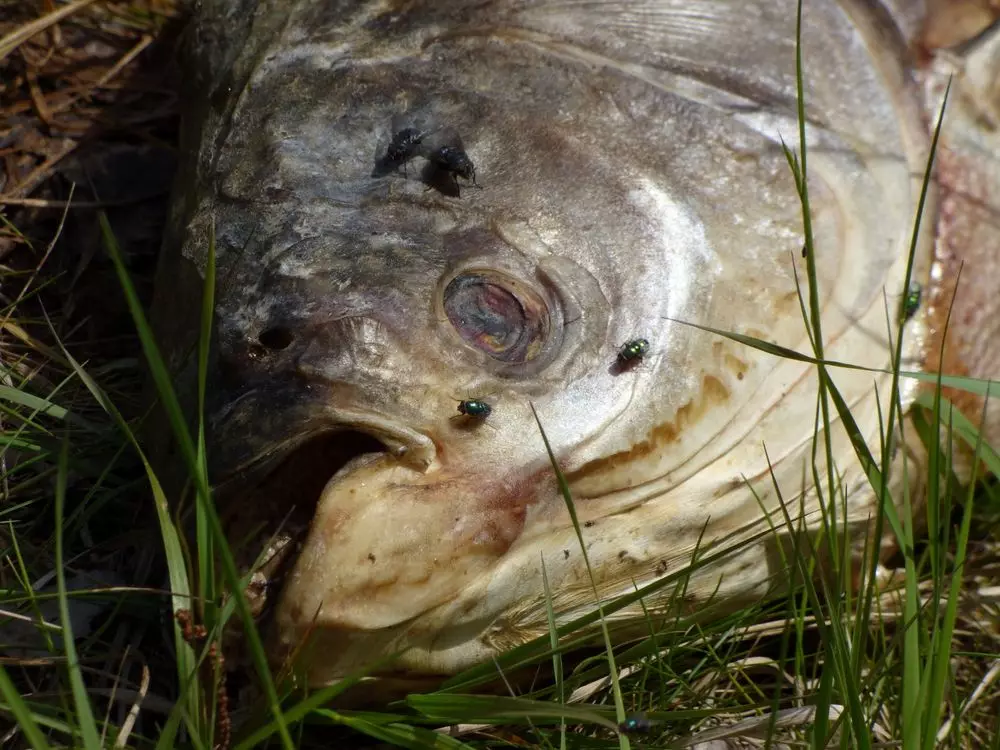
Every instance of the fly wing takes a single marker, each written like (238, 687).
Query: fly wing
(438, 138)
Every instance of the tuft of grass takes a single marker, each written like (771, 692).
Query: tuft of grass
(210, 528)
(609, 649)
(84, 716)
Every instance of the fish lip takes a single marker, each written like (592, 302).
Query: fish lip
(411, 447)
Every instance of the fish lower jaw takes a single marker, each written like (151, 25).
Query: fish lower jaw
(283, 503)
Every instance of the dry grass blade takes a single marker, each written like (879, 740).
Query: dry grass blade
(44, 203)
(761, 727)
(82, 89)
(15, 39)
(985, 684)
(585, 692)
(121, 740)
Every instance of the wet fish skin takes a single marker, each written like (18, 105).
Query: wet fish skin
(635, 174)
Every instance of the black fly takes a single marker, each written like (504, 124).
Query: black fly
(442, 147)
(447, 159)
(405, 145)
(454, 160)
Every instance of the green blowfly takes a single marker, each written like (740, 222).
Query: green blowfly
(632, 352)
(473, 407)
(911, 301)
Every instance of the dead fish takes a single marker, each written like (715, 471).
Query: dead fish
(636, 174)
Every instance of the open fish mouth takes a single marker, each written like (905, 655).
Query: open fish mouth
(306, 467)
(337, 436)
(271, 501)
(290, 479)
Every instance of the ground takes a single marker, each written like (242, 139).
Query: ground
(90, 109)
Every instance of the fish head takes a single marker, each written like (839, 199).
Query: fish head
(629, 185)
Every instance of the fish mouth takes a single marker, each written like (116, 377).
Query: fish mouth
(268, 505)
(305, 469)
(341, 437)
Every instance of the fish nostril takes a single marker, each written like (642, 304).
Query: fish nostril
(276, 338)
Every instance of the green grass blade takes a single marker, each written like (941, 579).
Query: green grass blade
(84, 711)
(206, 553)
(940, 670)
(557, 670)
(963, 429)
(171, 404)
(914, 704)
(815, 318)
(977, 386)
(861, 447)
(25, 720)
(157, 367)
(400, 735)
(312, 703)
(40, 405)
(489, 709)
(831, 633)
(180, 585)
(612, 667)
(45, 720)
(168, 734)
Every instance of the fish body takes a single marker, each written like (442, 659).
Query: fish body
(634, 182)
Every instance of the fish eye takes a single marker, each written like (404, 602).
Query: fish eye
(497, 315)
